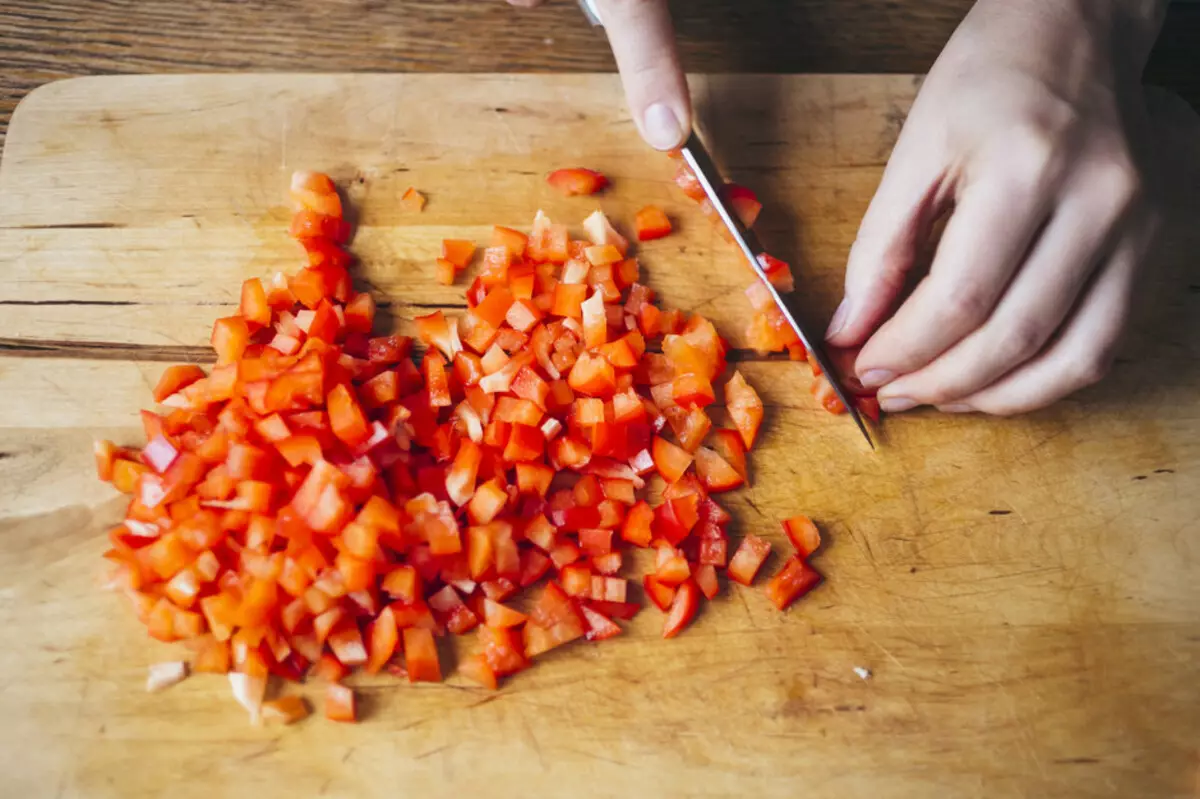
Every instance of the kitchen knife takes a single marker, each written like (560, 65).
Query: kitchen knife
(701, 163)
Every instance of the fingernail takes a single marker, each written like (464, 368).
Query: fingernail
(661, 127)
(896, 404)
(954, 407)
(840, 317)
(874, 378)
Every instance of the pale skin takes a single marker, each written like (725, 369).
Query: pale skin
(1026, 137)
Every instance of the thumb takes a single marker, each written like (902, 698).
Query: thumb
(912, 194)
(643, 42)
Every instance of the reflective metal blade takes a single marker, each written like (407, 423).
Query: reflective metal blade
(701, 162)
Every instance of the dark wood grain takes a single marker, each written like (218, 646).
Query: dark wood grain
(45, 40)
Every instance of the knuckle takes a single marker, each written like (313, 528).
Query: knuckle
(966, 305)
(872, 267)
(1022, 339)
(1092, 369)
(1035, 155)
(940, 393)
(1117, 182)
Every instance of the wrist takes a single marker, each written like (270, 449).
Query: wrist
(1063, 39)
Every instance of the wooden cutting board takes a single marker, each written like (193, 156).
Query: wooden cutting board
(1025, 593)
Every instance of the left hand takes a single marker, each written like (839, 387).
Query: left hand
(1027, 125)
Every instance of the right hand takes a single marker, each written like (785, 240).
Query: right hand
(643, 42)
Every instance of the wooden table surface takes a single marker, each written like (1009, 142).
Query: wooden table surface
(44, 40)
(1024, 591)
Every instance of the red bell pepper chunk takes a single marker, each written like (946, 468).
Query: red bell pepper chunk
(420, 656)
(714, 551)
(823, 390)
(793, 581)
(309, 224)
(315, 192)
(660, 594)
(744, 203)
(670, 461)
(346, 417)
(497, 615)
(868, 407)
(599, 626)
(636, 528)
(512, 240)
(176, 378)
(230, 337)
(577, 181)
(744, 407)
(412, 200)
(715, 472)
(683, 609)
(692, 391)
(748, 559)
(458, 252)
(689, 183)
(803, 534)
(503, 650)
(651, 223)
(706, 580)
(339, 703)
(476, 669)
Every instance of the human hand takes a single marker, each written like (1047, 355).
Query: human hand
(643, 42)
(1027, 125)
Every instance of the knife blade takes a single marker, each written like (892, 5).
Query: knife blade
(701, 163)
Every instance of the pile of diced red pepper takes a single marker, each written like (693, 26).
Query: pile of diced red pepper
(319, 500)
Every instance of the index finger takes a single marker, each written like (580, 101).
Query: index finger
(643, 43)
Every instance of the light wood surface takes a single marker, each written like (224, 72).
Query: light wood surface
(1025, 592)
(45, 40)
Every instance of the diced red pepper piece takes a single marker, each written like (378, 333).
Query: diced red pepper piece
(748, 559)
(670, 461)
(420, 656)
(745, 408)
(803, 534)
(651, 223)
(412, 200)
(683, 609)
(715, 472)
(793, 581)
(577, 181)
(339, 703)
(458, 252)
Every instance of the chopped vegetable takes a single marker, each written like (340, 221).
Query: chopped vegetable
(577, 181)
(286, 709)
(748, 559)
(249, 690)
(324, 499)
(793, 581)
(413, 200)
(803, 534)
(651, 223)
(164, 675)
(340, 704)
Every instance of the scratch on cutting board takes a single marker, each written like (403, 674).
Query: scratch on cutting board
(882, 648)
